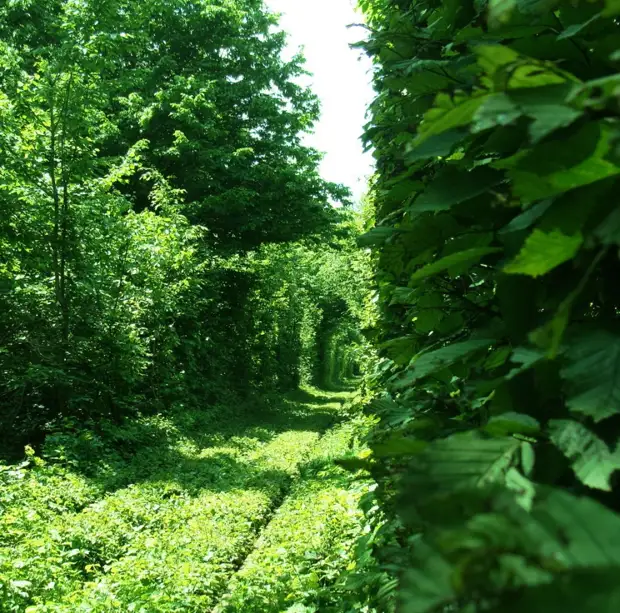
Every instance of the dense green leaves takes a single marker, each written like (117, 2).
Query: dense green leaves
(432, 361)
(151, 160)
(498, 303)
(451, 187)
(460, 260)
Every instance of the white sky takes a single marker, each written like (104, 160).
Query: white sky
(341, 80)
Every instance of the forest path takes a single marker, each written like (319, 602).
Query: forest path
(242, 514)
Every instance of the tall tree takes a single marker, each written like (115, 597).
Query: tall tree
(142, 145)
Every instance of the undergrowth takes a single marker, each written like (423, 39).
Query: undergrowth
(158, 514)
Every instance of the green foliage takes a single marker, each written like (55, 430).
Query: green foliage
(159, 213)
(299, 560)
(165, 528)
(495, 131)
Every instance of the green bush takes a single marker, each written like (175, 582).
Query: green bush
(496, 133)
(301, 558)
(165, 527)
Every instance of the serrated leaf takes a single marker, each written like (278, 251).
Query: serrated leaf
(592, 377)
(433, 361)
(464, 460)
(461, 259)
(544, 251)
(428, 586)
(591, 459)
(452, 187)
(576, 523)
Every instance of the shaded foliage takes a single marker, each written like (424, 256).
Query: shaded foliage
(495, 247)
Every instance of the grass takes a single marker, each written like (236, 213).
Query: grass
(182, 512)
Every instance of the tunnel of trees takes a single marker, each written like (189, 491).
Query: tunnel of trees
(226, 387)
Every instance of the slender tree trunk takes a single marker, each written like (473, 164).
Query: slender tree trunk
(59, 178)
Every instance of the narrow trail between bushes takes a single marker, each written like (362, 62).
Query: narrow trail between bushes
(245, 512)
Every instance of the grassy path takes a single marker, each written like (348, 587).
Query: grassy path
(245, 513)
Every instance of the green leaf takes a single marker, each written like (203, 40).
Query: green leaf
(577, 28)
(376, 236)
(400, 349)
(592, 377)
(452, 186)
(591, 459)
(549, 118)
(497, 110)
(608, 232)
(428, 320)
(403, 295)
(429, 584)
(433, 361)
(612, 8)
(492, 58)
(582, 590)
(403, 190)
(547, 107)
(461, 461)
(440, 145)
(398, 446)
(526, 357)
(501, 11)
(549, 336)
(544, 251)
(576, 525)
(448, 115)
(462, 259)
(528, 217)
(512, 423)
(561, 165)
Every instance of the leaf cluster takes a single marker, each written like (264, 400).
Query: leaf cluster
(496, 131)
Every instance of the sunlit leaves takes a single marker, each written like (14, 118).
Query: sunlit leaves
(542, 252)
(592, 460)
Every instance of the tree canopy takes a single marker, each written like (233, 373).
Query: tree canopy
(151, 161)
